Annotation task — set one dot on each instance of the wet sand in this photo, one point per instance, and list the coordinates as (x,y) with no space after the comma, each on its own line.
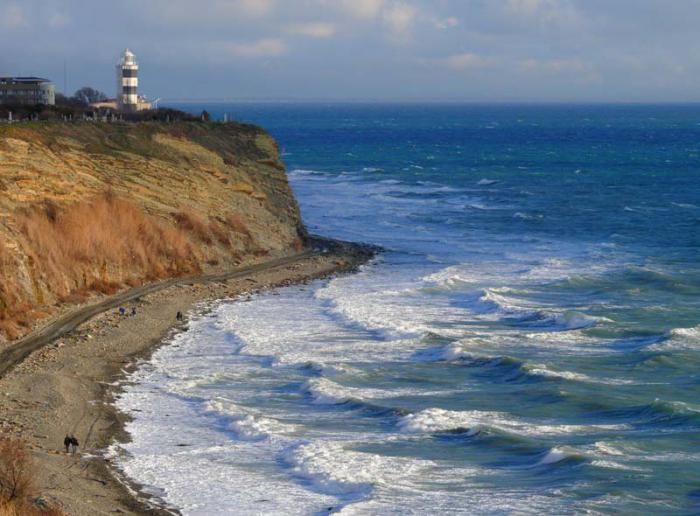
(68,386)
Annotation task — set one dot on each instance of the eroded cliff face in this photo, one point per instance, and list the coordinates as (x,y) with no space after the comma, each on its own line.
(91,208)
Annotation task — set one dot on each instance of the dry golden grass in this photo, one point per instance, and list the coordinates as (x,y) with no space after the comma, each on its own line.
(98,246)
(237,224)
(219,232)
(68,253)
(9,302)
(107,233)
(191,223)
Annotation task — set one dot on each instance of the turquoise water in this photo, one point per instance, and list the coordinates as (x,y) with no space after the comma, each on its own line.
(529,341)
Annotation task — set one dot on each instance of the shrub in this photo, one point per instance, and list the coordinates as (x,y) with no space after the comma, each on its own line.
(238,224)
(16,472)
(219,232)
(190,222)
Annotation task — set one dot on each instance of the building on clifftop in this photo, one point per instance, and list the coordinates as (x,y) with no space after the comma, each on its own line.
(26,91)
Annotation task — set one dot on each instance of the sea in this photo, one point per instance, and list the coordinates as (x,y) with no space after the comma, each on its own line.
(528,341)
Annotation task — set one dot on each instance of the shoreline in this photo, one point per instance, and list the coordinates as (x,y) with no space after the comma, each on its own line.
(70,385)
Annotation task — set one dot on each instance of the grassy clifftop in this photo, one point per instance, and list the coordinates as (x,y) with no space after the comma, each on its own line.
(91,208)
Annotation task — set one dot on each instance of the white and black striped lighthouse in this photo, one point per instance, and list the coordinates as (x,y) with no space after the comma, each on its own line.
(127,82)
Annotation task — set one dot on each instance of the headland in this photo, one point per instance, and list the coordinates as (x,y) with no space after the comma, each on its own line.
(151,218)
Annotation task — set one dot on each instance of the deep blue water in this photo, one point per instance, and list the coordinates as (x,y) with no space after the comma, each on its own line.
(529,341)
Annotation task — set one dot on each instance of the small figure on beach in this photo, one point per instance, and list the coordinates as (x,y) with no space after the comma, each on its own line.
(133,311)
(74,443)
(122,310)
(67,442)
(178,316)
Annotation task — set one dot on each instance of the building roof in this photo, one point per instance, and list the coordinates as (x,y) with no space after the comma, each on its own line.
(22,80)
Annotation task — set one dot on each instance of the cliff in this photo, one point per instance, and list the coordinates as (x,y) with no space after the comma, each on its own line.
(92,208)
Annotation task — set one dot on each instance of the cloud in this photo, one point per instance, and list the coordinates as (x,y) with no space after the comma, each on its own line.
(12,17)
(200,13)
(575,69)
(313,30)
(58,21)
(254,8)
(400,19)
(557,13)
(528,7)
(268,47)
(362,8)
(556,66)
(446,23)
(465,61)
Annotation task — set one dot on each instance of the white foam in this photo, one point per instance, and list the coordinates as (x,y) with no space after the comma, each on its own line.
(328,392)
(556,454)
(543,370)
(546,371)
(436,420)
(681,339)
(439,420)
(334,468)
(609,464)
(685,205)
(526,216)
(252,427)
(388,303)
(607,448)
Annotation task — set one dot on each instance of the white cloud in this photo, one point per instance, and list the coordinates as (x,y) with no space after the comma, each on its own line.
(313,30)
(254,8)
(446,23)
(555,66)
(558,13)
(12,17)
(58,20)
(362,8)
(575,69)
(400,19)
(268,47)
(465,61)
(202,12)
(528,7)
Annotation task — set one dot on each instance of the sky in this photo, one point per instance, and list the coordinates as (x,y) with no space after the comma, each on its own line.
(383,50)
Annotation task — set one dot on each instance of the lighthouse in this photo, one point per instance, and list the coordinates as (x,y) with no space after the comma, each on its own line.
(127,82)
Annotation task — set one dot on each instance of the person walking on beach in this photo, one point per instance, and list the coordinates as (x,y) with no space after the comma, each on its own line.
(74,443)
(67,443)
(178,316)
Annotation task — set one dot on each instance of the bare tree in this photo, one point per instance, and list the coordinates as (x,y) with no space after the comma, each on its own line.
(15,471)
(87,95)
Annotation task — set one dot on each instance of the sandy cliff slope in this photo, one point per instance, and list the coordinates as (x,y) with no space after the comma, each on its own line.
(91,208)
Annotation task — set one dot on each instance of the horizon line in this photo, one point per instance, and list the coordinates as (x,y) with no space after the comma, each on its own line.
(247,100)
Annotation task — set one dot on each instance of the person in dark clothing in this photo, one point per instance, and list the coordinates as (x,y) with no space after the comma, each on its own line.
(67,443)
(133,311)
(122,310)
(74,443)
(179,316)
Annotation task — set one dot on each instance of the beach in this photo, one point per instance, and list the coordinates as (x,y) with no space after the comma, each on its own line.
(69,385)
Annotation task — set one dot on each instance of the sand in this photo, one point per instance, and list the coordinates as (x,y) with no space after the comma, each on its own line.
(69,385)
